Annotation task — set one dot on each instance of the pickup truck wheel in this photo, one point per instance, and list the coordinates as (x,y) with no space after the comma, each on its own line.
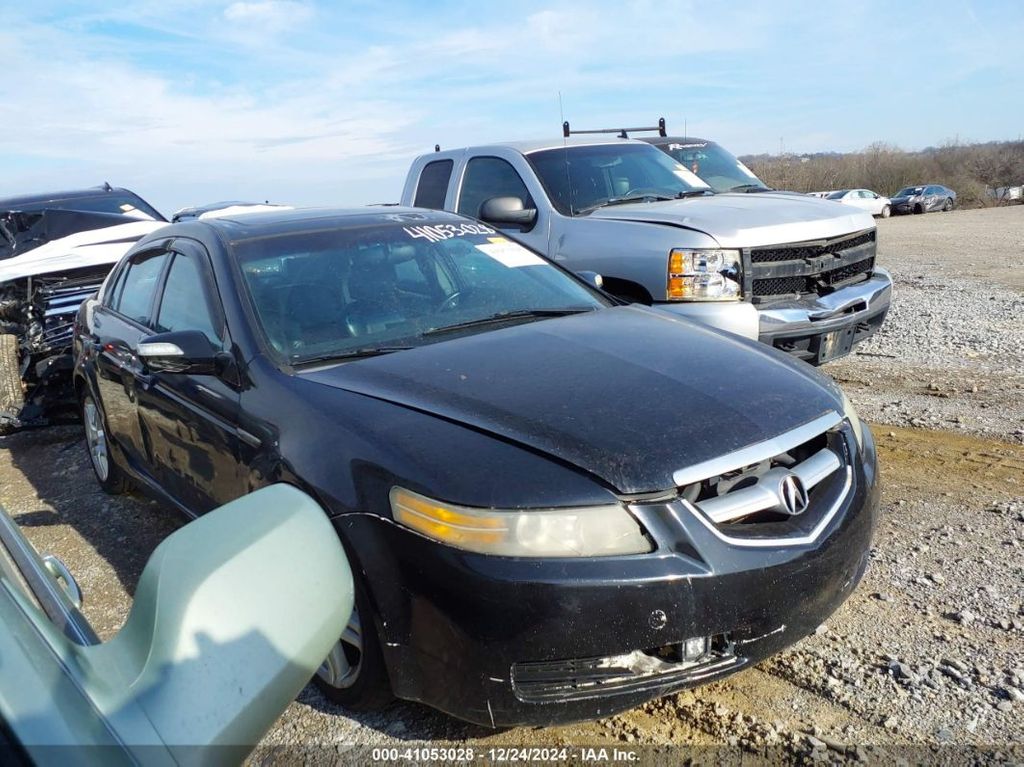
(110,476)
(353,674)
(886,212)
(12,396)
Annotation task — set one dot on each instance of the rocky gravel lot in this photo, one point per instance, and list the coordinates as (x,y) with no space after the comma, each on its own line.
(924,660)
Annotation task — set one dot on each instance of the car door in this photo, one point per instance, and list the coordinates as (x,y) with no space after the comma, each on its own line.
(188,420)
(486,176)
(119,323)
(932,196)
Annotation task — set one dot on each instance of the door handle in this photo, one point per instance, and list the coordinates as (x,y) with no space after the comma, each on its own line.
(55,567)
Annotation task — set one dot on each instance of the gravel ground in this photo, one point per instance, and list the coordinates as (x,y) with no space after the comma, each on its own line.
(927,653)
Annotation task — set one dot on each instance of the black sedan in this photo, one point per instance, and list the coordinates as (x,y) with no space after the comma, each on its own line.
(556,506)
(923,199)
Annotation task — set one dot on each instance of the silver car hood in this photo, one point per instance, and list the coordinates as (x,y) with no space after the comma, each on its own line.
(748,220)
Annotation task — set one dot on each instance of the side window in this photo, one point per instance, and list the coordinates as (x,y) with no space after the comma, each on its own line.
(114,288)
(185,304)
(433,186)
(488,177)
(136,296)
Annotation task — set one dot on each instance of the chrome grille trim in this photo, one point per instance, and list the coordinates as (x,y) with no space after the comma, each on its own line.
(802,540)
(750,500)
(757,452)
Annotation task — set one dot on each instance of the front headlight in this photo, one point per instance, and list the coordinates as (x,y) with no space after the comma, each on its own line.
(593,531)
(851,414)
(703,275)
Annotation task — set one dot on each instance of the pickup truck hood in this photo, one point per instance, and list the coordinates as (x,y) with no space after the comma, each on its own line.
(92,248)
(627,394)
(748,220)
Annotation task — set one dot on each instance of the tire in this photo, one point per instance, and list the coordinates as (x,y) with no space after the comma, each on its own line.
(919,208)
(109,474)
(368,688)
(12,395)
(947,205)
(886,211)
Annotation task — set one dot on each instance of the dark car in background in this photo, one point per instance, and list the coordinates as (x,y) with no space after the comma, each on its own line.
(708,160)
(55,249)
(557,506)
(923,199)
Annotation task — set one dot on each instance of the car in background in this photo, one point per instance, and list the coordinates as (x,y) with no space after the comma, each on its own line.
(865,199)
(55,249)
(227,208)
(215,646)
(557,506)
(923,199)
(710,162)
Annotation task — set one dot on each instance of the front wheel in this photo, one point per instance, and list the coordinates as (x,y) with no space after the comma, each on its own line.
(886,212)
(110,476)
(353,674)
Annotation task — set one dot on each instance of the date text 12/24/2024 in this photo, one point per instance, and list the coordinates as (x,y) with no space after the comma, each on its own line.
(503,755)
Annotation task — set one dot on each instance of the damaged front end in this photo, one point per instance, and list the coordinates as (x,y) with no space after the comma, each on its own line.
(51,260)
(39,312)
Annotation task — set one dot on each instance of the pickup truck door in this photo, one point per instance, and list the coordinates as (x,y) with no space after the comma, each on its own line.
(489,175)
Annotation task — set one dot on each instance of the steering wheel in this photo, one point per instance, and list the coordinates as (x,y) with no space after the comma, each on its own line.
(450,302)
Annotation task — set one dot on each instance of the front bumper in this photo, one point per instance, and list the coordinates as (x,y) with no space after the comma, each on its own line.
(482,637)
(820,328)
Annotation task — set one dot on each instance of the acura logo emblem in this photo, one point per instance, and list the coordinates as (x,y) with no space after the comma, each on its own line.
(793,495)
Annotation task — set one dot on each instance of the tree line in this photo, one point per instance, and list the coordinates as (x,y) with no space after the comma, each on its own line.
(968,169)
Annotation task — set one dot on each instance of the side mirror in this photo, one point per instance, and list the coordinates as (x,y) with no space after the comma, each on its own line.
(507,211)
(183,351)
(593,279)
(233,614)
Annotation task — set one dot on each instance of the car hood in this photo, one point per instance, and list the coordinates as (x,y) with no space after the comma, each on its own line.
(627,394)
(92,248)
(748,220)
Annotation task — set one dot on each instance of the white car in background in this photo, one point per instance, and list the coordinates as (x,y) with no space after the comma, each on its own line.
(865,199)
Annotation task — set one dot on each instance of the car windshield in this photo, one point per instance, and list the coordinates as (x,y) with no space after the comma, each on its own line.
(719,169)
(579,179)
(836,195)
(910,191)
(358,291)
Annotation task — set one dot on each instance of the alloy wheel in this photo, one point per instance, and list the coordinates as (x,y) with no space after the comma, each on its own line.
(341,667)
(96,438)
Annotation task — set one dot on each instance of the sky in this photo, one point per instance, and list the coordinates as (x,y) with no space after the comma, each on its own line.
(312,102)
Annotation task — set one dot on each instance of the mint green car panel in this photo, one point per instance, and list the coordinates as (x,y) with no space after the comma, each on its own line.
(232,615)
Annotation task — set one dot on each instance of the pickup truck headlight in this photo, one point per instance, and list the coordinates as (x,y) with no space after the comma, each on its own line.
(703,275)
(592,531)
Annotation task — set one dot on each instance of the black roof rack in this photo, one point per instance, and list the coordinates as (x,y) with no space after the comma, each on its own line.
(623,132)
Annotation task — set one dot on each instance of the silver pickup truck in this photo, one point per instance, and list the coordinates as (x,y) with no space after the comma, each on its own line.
(797,273)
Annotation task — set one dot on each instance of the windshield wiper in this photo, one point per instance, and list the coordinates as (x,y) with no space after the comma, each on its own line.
(650,196)
(362,351)
(493,319)
(749,188)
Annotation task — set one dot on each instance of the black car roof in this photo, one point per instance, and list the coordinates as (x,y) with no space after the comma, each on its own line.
(253,225)
(92,191)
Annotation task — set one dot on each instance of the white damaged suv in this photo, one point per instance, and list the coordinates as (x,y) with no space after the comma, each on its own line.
(796,272)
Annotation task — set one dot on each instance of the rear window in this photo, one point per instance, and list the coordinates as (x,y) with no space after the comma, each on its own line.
(433,186)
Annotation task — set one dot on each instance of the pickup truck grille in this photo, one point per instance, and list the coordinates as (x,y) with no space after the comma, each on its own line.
(59,298)
(811,267)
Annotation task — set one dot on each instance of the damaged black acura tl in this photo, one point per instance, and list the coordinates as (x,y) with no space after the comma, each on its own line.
(557,506)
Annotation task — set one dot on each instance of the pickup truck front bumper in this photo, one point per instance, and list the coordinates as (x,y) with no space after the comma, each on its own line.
(821,328)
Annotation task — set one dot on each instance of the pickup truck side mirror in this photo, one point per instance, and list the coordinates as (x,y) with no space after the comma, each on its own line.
(183,351)
(507,211)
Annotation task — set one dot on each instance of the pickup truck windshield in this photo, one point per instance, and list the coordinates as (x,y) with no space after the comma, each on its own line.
(719,169)
(357,292)
(581,178)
